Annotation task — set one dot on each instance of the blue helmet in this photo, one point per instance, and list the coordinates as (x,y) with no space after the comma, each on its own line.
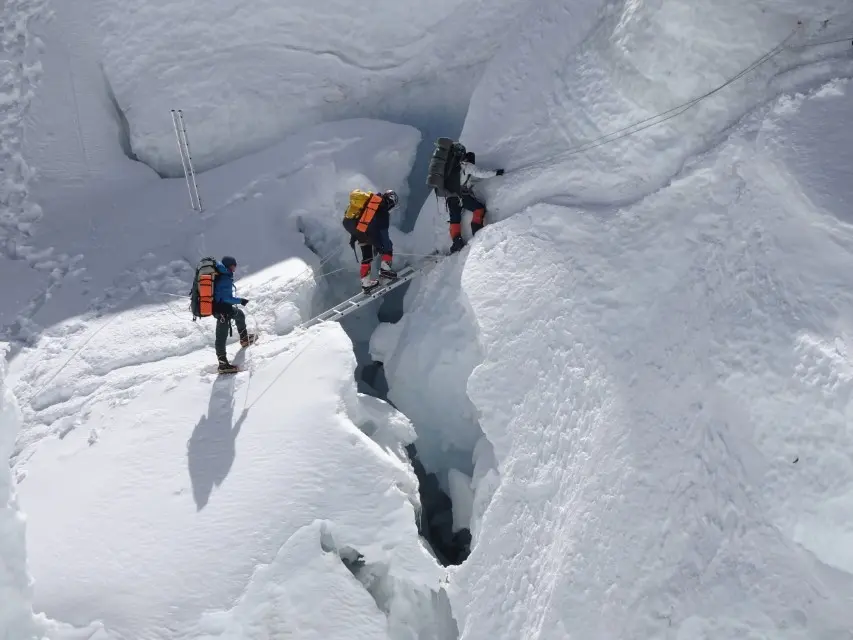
(229,261)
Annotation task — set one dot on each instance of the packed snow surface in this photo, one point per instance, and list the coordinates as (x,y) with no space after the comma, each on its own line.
(634,383)
(569,101)
(171,516)
(666,390)
(654,377)
(15,593)
(171,479)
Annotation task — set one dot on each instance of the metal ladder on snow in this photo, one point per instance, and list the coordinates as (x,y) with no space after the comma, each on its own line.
(361,299)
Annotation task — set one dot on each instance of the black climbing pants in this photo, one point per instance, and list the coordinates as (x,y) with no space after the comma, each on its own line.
(375,238)
(455,205)
(225,313)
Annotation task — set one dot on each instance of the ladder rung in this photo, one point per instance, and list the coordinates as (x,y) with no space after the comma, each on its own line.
(342,309)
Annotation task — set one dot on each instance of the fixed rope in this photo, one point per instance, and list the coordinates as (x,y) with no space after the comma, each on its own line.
(663,116)
(70,358)
(820,44)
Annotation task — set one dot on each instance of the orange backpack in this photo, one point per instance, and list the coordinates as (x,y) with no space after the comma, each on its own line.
(201,295)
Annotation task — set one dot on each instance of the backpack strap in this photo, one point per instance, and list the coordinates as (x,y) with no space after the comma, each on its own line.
(352,246)
(369,212)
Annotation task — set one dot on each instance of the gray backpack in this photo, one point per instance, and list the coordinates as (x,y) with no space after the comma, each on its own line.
(444,166)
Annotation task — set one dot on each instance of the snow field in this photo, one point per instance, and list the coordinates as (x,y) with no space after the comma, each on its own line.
(20,73)
(75,137)
(182,457)
(171,481)
(652,380)
(798,164)
(643,400)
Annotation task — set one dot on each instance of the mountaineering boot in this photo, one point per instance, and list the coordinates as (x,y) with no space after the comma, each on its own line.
(385,270)
(248,339)
(458,244)
(368,284)
(225,367)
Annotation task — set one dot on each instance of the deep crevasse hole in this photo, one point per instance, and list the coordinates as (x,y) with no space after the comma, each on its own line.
(454,461)
(445,468)
(446,491)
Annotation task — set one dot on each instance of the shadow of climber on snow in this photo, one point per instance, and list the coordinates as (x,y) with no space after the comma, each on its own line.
(211,447)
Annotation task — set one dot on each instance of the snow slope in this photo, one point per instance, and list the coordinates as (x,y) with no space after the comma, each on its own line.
(182,488)
(642,376)
(172,466)
(580,71)
(655,379)
(16,619)
(75,136)
(666,390)
(666,441)
(19,212)
(21,71)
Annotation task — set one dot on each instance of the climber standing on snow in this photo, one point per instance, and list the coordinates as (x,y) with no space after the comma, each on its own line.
(453,174)
(225,311)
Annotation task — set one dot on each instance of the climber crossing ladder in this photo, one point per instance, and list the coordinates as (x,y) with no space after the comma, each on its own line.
(362,299)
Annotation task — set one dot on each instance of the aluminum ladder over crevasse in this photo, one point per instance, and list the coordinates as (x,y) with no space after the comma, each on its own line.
(361,299)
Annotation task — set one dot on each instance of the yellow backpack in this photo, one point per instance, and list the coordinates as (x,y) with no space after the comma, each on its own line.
(357,201)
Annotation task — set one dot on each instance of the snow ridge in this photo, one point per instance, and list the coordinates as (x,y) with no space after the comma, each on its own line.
(607,79)
(632,357)
(644,489)
(16,619)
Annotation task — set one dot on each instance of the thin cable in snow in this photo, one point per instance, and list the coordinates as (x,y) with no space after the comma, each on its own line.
(421,255)
(323,261)
(819,44)
(662,117)
(71,357)
(281,373)
(145,289)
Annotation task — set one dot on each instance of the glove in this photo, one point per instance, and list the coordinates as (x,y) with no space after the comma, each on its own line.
(500,172)
(244,301)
